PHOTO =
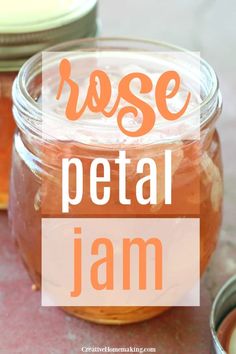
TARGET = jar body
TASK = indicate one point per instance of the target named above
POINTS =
(197, 183)
(7, 127)
(25, 205)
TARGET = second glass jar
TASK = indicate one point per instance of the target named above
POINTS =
(22, 34)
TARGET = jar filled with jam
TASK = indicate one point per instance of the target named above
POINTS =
(195, 164)
(27, 27)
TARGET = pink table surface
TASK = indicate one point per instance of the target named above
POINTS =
(26, 327)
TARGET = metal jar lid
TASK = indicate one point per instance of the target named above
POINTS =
(223, 304)
(19, 40)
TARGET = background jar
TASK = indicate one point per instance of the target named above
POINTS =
(25, 29)
(28, 169)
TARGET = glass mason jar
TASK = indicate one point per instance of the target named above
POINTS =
(25, 30)
(28, 169)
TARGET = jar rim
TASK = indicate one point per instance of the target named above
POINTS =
(24, 102)
(221, 306)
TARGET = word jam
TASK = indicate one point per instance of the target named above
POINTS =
(108, 263)
(96, 181)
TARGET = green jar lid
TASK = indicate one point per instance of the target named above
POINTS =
(27, 27)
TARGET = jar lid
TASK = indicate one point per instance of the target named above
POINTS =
(27, 27)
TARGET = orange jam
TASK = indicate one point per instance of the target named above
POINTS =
(25, 208)
(7, 127)
(194, 164)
